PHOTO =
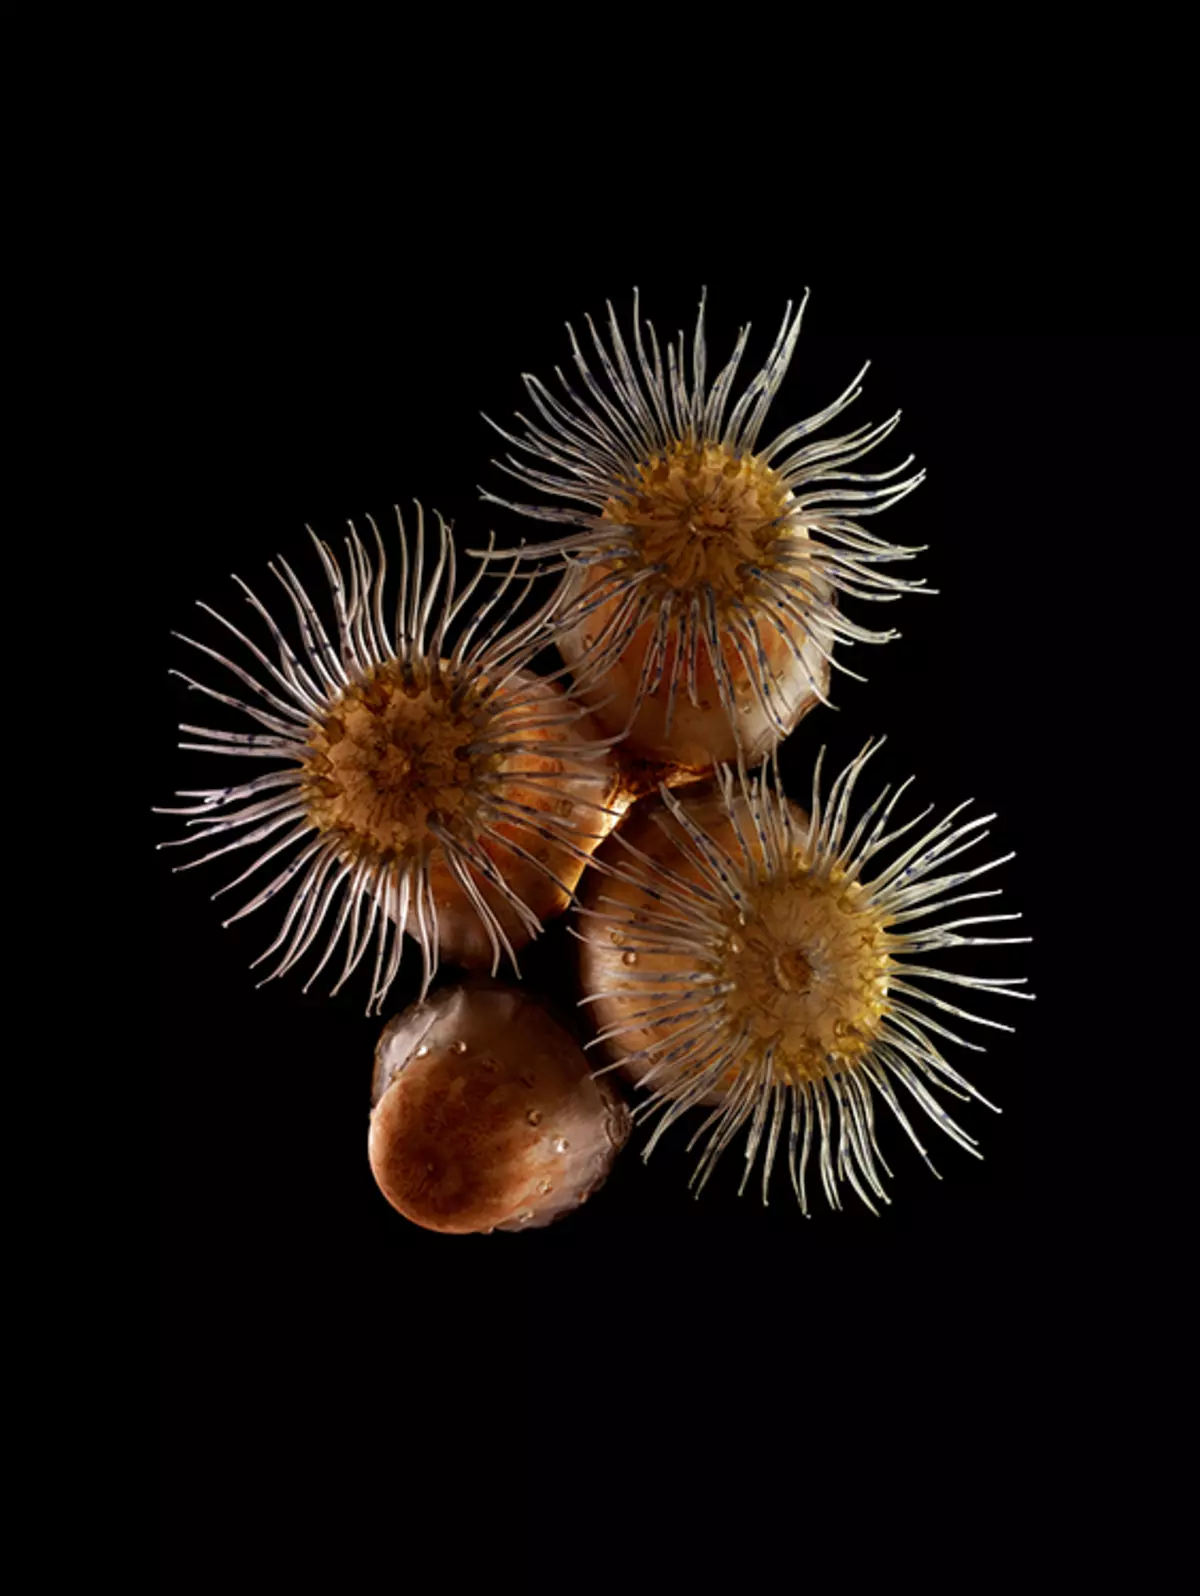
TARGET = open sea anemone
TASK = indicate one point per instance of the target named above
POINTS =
(704, 568)
(739, 953)
(427, 780)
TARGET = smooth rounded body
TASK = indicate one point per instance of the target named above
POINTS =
(486, 1116)
(613, 974)
(563, 810)
(699, 735)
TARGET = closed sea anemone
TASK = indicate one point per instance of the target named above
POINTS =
(486, 1116)
(741, 954)
(704, 568)
(428, 781)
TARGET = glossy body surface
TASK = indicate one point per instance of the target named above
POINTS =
(486, 1116)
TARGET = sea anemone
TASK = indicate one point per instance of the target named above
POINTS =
(687, 531)
(736, 952)
(486, 1116)
(425, 785)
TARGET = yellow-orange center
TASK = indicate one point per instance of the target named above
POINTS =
(388, 756)
(808, 968)
(702, 512)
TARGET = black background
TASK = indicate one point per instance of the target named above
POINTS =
(318, 1349)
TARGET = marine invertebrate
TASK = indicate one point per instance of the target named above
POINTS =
(737, 952)
(486, 1116)
(704, 569)
(427, 784)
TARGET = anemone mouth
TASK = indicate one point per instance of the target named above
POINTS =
(682, 517)
(735, 954)
(388, 756)
(429, 779)
(806, 967)
(702, 516)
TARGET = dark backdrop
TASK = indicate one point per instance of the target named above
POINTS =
(318, 1347)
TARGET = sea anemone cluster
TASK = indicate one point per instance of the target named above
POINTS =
(736, 953)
